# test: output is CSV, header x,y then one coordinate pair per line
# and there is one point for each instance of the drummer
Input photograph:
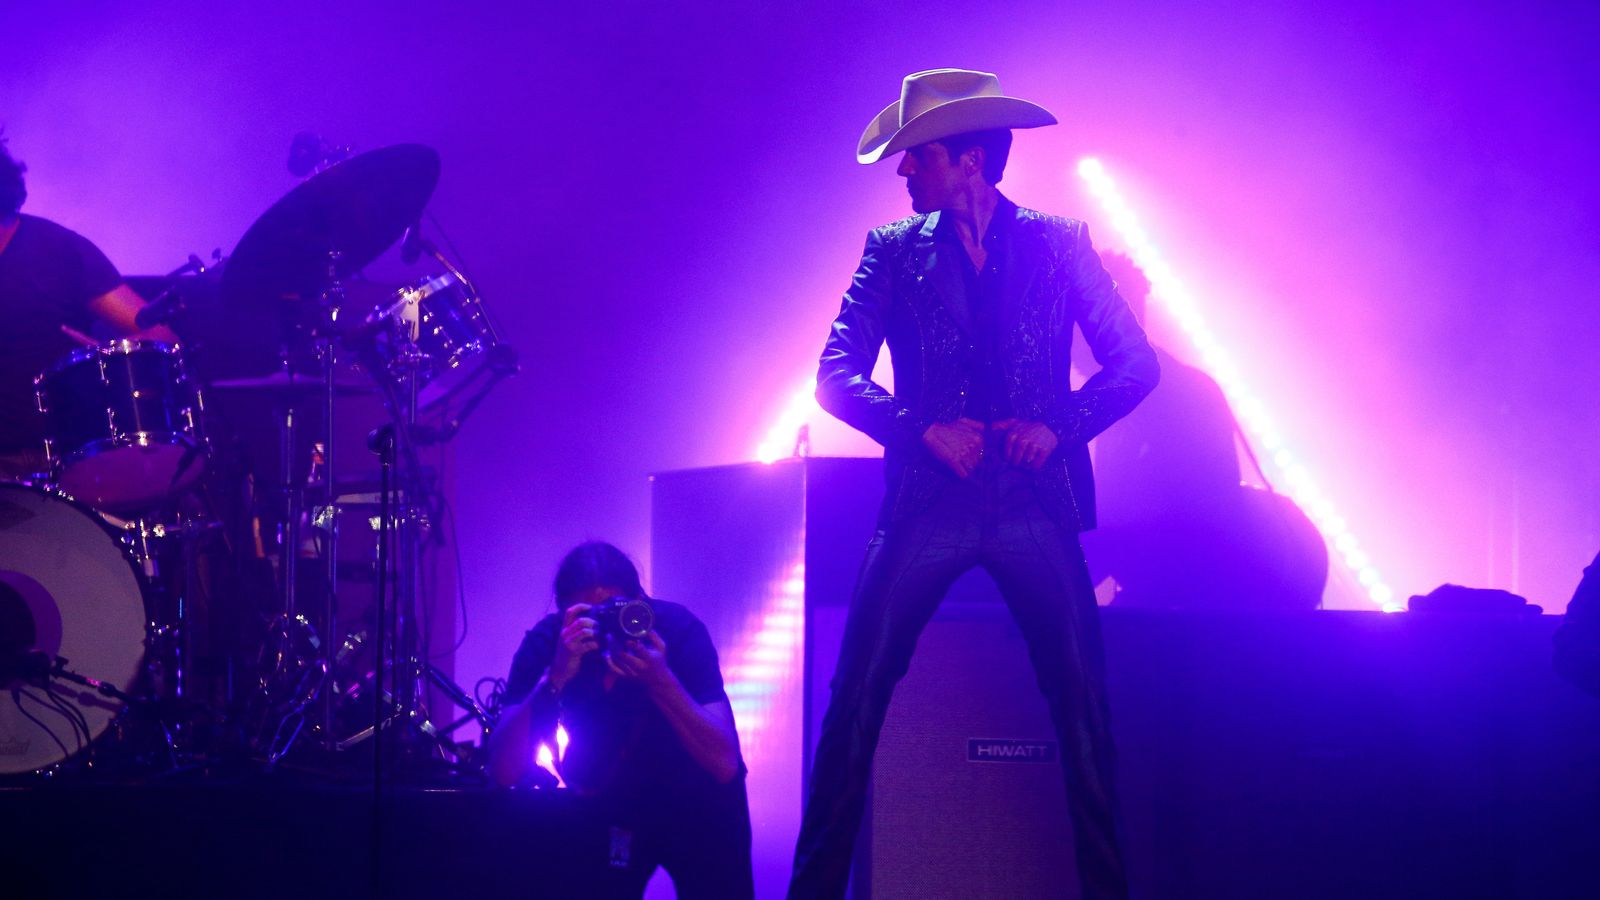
x,y
56,291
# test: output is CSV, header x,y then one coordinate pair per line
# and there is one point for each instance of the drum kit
x,y
159,608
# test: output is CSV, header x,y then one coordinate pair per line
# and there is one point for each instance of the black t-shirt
x,y
621,746
48,275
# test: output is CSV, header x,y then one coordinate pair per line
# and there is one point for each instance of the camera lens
x,y
636,618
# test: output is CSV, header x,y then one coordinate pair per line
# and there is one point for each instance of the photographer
x,y
651,731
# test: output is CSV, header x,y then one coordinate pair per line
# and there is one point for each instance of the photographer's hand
x,y
513,739
707,731
579,638
644,661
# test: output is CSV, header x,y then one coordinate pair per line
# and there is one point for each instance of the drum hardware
x,y
449,326
309,153
125,424
411,346
430,345
36,666
291,384
71,590
300,253
291,678
474,712
398,717
169,300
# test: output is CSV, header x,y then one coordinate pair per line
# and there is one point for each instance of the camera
x,y
623,617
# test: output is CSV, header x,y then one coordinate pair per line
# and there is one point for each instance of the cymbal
x,y
356,208
345,383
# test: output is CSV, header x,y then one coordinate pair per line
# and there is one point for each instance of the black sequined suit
x,y
915,290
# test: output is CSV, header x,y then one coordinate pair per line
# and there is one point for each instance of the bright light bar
x,y
784,435
1252,413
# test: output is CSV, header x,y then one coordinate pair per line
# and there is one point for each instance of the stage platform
x,y
1298,754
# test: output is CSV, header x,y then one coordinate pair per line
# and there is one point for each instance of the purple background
x,y
1388,214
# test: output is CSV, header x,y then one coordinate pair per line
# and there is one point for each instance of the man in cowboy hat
x,y
985,444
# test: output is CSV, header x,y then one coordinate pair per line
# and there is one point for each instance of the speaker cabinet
x,y
967,798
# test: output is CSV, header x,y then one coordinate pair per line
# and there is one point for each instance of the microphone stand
x,y
407,499
37,667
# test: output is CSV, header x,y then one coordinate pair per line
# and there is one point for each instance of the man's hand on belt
x,y
958,444
1028,444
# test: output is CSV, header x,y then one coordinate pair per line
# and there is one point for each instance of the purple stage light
x,y
1174,296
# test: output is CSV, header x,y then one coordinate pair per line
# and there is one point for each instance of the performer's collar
x,y
940,226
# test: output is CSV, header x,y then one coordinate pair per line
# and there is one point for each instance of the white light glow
x,y
784,436
1166,288
547,761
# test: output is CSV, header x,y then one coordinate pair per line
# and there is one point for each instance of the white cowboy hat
x,y
941,102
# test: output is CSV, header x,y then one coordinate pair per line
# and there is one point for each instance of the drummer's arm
x,y
118,307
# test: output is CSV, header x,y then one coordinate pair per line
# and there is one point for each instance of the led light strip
x,y
767,659
1175,297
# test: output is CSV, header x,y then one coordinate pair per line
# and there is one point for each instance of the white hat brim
x,y
885,135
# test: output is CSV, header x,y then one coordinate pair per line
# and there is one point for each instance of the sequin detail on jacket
x,y
908,292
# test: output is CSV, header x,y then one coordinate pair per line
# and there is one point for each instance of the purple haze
x,y
1389,214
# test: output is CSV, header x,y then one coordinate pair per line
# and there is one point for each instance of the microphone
x,y
28,665
158,310
170,300
379,439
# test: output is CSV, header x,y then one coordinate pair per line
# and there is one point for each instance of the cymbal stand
x,y
302,660
406,513
408,502
330,302
290,675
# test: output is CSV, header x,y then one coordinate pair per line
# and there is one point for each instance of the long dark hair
x,y
596,564
12,189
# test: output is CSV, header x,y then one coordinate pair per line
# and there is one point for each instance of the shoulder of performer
x,y
1060,233
897,231
1045,221
49,230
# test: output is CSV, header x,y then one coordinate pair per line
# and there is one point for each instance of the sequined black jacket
x,y
909,291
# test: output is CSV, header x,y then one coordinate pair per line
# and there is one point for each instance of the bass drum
x,y
67,588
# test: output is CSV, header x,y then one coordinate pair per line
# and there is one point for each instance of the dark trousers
x,y
994,520
701,838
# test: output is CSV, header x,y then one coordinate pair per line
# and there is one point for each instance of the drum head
x,y
66,588
131,476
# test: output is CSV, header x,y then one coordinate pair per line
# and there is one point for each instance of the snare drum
x,y
70,588
454,335
123,420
